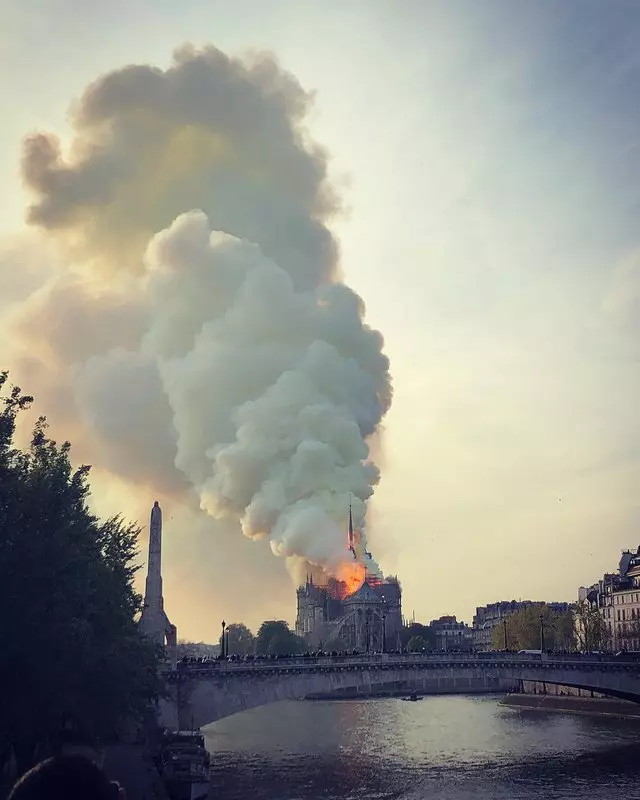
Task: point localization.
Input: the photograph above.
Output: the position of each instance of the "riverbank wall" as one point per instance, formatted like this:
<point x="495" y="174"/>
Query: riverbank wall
<point x="540" y="696"/>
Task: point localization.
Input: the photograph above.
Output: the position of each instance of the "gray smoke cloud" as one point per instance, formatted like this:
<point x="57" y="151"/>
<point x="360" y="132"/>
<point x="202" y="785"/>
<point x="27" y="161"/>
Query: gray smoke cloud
<point x="228" y="360"/>
<point x="211" y="132"/>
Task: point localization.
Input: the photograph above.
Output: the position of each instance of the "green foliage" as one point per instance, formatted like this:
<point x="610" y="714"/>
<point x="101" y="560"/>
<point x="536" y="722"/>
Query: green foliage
<point x="240" y="640"/>
<point x="416" y="644"/>
<point x="523" y="629"/>
<point x="275" y="638"/>
<point x="416" y="629"/>
<point x="285" y="644"/>
<point x="71" y="655"/>
<point x="266" y="633"/>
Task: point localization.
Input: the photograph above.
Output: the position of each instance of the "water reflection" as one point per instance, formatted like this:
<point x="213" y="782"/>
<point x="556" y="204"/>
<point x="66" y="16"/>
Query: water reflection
<point x="443" y="747"/>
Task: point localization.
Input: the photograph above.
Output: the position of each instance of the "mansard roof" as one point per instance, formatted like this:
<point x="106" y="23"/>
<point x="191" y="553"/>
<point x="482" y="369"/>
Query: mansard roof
<point x="365" y="594"/>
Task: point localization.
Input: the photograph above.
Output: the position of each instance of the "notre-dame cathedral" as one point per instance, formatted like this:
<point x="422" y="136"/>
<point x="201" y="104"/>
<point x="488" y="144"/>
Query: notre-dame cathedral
<point x="338" y="616"/>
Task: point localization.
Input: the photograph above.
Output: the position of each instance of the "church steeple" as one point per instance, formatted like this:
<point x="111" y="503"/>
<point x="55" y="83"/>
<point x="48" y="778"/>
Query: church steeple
<point x="350" y="539"/>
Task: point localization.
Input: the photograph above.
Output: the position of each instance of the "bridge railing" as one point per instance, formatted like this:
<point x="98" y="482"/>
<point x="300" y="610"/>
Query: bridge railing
<point x="373" y="659"/>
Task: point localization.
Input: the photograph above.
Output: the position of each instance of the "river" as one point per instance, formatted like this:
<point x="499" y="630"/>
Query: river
<point x="453" y="747"/>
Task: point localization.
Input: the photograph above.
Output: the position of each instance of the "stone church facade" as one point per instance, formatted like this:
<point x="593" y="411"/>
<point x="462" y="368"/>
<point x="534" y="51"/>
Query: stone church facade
<point x="369" y="620"/>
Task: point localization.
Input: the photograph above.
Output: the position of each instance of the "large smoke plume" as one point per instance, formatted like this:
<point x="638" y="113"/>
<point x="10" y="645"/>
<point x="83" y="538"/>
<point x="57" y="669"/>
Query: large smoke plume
<point x="200" y="336"/>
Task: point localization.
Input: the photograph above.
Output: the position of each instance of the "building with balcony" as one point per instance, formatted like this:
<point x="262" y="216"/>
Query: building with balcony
<point x="617" y="598"/>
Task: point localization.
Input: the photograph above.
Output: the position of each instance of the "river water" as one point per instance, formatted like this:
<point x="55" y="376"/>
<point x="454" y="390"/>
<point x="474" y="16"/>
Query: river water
<point x="454" y="747"/>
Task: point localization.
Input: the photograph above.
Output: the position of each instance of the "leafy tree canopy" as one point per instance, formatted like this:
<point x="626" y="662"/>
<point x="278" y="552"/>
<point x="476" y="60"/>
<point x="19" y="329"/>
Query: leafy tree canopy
<point x="275" y="638"/>
<point x="71" y="656"/>
<point x="285" y="644"/>
<point x="592" y="632"/>
<point x="416" y="644"/>
<point x="417" y="629"/>
<point x="523" y="629"/>
<point x="267" y="631"/>
<point x="240" y="640"/>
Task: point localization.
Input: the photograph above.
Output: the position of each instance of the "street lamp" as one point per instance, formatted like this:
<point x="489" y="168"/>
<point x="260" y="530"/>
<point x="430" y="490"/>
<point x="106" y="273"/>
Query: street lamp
<point x="504" y="625"/>
<point x="227" y="649"/>
<point x="541" y="633"/>
<point x="222" y="647"/>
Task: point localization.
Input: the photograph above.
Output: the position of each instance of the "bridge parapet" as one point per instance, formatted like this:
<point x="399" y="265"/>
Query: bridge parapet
<point x="203" y="693"/>
<point x="546" y="661"/>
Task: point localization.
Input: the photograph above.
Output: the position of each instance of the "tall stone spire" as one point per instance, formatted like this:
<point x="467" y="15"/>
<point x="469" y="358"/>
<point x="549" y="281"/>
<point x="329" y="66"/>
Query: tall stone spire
<point x="350" y="540"/>
<point x="154" y="622"/>
<point x="153" y="589"/>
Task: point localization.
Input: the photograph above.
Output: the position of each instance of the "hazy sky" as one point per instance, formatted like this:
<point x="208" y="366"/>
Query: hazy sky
<point x="488" y="155"/>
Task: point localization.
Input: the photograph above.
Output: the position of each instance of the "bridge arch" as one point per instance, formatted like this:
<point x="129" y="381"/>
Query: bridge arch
<point x="205" y="695"/>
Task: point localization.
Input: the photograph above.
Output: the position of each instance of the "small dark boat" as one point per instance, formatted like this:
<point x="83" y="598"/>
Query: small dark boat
<point x="185" y="765"/>
<point x="413" y="698"/>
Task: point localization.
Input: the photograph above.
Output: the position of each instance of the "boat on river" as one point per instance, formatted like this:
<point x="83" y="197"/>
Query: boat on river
<point x="185" y="765"/>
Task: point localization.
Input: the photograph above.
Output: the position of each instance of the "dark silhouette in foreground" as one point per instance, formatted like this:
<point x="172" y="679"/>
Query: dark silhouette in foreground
<point x="67" y="778"/>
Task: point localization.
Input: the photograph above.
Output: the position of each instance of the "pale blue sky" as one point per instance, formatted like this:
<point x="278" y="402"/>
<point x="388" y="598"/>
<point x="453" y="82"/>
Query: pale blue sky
<point x="490" y="158"/>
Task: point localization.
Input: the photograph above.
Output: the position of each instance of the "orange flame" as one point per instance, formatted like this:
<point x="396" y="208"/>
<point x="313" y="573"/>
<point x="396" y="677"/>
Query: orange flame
<point x="352" y="574"/>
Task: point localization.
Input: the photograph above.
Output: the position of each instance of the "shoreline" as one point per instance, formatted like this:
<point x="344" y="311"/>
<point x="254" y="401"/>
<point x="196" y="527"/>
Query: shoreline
<point x="596" y="706"/>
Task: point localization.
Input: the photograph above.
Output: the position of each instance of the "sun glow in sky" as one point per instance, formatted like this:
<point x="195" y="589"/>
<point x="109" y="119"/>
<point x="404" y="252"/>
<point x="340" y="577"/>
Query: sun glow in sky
<point x="488" y="157"/>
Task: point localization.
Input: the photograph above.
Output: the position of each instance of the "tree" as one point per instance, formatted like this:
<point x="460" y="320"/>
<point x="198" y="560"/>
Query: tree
<point x="275" y="638"/>
<point x="416" y="644"/>
<point x="71" y="657"/>
<point x="240" y="640"/>
<point x="267" y="631"/>
<point x="523" y="629"/>
<point x="416" y="629"/>
<point x="286" y="644"/>
<point x="591" y="629"/>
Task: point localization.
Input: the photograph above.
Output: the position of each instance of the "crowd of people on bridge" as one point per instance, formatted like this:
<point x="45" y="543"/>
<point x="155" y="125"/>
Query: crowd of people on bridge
<point x="193" y="663"/>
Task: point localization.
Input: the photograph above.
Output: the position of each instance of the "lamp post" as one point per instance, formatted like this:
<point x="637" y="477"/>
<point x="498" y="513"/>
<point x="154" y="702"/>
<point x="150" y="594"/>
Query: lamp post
<point x="504" y="627"/>
<point x="384" y="633"/>
<point x="227" y="649"/>
<point x="222" y="644"/>
<point x="541" y="633"/>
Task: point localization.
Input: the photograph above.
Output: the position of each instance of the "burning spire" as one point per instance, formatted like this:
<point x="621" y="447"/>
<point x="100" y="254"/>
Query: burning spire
<point x="351" y="544"/>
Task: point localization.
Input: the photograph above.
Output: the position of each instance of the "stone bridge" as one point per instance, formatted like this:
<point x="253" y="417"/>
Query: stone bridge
<point x="199" y="694"/>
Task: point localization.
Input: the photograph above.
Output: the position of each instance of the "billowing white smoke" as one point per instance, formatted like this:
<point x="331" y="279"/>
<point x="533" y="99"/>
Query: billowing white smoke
<point x="230" y="356"/>
<point x="273" y="397"/>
